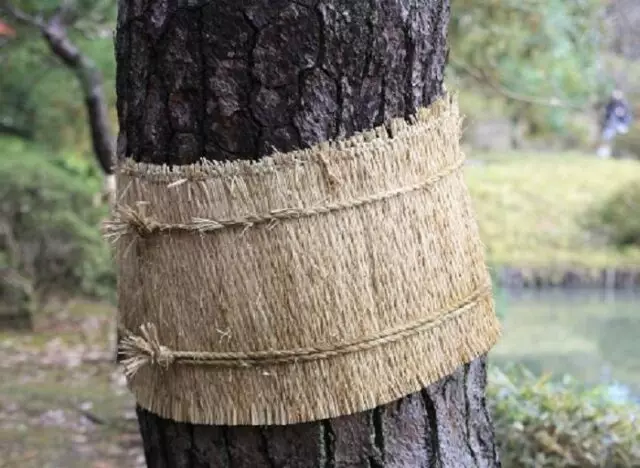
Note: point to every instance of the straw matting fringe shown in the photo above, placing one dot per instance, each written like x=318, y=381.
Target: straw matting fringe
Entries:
x=304, y=286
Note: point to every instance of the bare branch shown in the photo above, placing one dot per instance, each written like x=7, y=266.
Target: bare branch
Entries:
x=56, y=36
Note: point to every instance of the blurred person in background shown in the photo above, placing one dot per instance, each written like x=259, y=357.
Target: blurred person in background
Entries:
x=616, y=120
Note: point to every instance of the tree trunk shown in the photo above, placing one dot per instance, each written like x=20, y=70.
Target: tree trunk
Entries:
x=230, y=79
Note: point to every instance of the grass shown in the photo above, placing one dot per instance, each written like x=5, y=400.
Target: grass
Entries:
x=531, y=208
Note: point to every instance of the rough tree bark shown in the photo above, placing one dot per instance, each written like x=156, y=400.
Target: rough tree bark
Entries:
x=231, y=79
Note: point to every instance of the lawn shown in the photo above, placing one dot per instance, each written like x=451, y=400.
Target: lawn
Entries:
x=531, y=208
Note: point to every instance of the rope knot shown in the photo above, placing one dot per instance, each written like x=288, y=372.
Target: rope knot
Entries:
x=126, y=219
x=162, y=356
x=140, y=223
x=144, y=349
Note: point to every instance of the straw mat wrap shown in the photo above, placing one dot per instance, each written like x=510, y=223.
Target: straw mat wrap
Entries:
x=304, y=286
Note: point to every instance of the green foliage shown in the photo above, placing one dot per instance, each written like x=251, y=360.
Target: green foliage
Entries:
x=539, y=50
x=17, y=301
x=617, y=218
x=41, y=96
x=543, y=424
x=50, y=224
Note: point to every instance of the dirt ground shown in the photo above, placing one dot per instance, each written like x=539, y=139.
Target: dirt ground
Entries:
x=63, y=402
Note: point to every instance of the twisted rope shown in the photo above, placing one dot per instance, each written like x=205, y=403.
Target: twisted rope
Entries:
x=145, y=349
x=128, y=219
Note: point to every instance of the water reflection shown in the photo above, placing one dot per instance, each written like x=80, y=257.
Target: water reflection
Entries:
x=591, y=335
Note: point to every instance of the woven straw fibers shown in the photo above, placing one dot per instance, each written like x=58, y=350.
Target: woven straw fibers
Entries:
x=303, y=286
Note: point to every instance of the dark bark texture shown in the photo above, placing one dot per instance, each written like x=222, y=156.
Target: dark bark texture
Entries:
x=236, y=79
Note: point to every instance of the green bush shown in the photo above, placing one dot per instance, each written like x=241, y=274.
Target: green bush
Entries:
x=16, y=306
x=617, y=219
x=49, y=223
x=543, y=424
x=537, y=51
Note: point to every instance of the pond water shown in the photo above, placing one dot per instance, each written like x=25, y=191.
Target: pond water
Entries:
x=593, y=336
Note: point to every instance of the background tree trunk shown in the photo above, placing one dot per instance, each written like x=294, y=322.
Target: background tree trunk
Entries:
x=54, y=31
x=230, y=79
x=92, y=84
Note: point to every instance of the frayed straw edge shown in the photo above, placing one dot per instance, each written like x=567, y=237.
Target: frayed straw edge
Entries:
x=482, y=333
x=426, y=119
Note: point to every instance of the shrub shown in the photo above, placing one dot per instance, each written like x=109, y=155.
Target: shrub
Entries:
x=16, y=306
x=547, y=425
x=49, y=223
x=617, y=219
